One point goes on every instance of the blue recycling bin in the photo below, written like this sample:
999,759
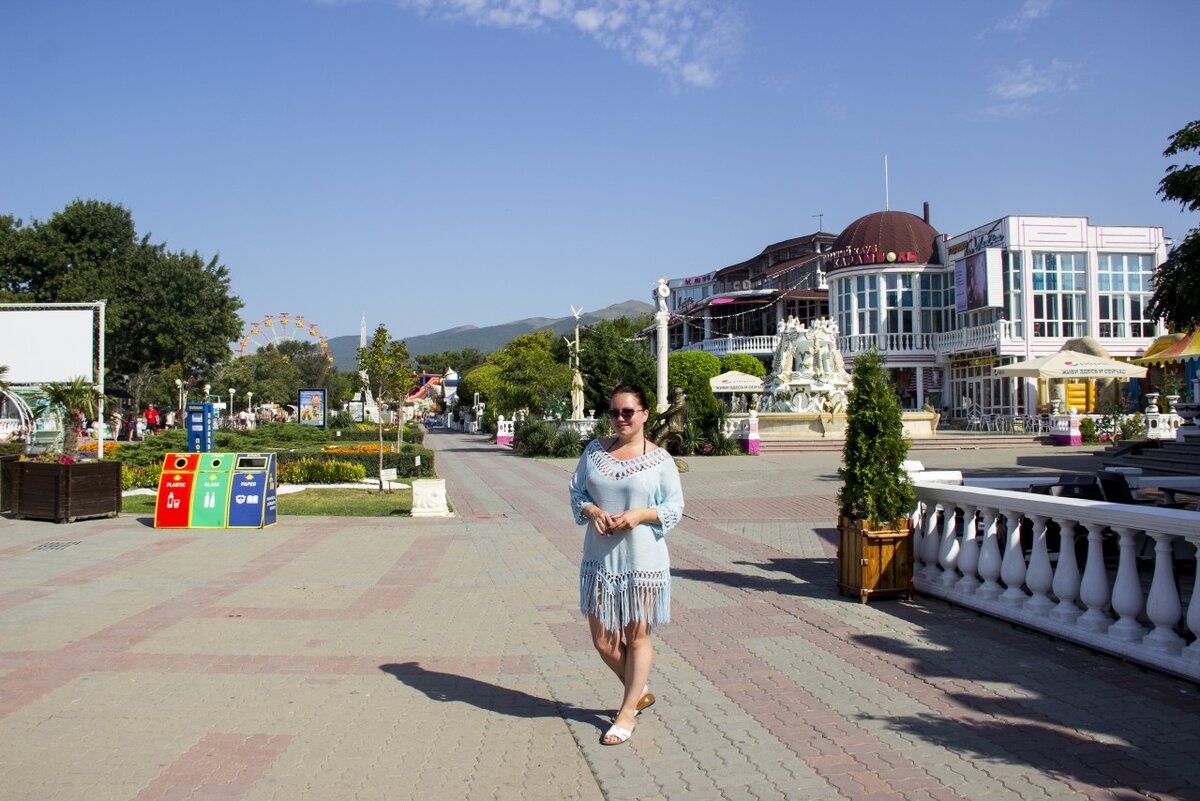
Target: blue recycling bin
200,419
252,491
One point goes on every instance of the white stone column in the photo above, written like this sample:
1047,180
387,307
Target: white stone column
1040,575
1127,591
1163,607
948,550
1012,569
1066,575
968,552
989,558
663,318
1093,590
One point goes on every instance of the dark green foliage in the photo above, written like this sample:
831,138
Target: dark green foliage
566,444
743,363
458,360
691,370
1087,431
875,487
320,471
533,437
404,462
611,354
603,427
342,420
1177,282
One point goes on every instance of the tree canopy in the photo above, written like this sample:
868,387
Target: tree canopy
1177,282
531,377
461,361
743,363
611,354
164,307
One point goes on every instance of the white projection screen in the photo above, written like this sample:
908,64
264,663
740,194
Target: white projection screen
43,345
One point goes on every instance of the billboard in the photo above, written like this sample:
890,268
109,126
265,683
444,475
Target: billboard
978,281
312,407
41,345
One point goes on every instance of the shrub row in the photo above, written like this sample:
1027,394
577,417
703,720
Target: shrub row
405,463
135,476
320,471
412,433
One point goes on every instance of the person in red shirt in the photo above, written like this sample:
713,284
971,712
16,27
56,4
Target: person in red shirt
152,419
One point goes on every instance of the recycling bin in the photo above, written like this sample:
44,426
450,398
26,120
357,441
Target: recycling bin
173,507
199,419
252,491
210,491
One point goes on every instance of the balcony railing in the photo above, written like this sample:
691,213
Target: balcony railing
719,346
990,550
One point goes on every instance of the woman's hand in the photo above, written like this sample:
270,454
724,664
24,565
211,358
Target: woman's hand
627,520
602,520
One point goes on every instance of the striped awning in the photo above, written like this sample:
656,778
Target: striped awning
1172,348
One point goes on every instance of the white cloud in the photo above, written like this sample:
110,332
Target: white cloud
1018,89
1031,11
686,40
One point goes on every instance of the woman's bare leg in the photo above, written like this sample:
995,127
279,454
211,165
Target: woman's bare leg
639,657
609,646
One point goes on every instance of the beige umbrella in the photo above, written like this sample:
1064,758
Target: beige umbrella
1068,364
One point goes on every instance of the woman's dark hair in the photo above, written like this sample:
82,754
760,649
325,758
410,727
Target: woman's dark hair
632,389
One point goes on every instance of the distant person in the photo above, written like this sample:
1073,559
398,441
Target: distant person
152,419
626,490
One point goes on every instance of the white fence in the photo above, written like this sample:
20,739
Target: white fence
969,550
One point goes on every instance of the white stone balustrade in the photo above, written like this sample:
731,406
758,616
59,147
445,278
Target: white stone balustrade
968,550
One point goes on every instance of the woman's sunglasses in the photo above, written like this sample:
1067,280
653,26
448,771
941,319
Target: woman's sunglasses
624,414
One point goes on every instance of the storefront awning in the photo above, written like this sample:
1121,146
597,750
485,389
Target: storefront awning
1176,348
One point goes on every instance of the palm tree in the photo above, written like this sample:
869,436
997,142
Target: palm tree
3,373
78,399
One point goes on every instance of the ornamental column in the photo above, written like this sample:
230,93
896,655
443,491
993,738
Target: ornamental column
662,317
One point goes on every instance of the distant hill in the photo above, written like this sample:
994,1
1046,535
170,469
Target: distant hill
487,339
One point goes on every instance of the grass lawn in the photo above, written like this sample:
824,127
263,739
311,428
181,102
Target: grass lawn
330,502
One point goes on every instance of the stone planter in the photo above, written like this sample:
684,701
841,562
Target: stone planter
874,562
63,493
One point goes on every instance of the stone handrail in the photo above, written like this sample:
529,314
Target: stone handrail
988,570
721,346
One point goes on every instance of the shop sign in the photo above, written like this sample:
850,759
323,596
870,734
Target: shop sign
988,236
869,254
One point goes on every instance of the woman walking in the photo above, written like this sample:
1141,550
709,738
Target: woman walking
626,490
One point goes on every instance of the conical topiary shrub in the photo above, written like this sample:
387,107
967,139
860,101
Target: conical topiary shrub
876,497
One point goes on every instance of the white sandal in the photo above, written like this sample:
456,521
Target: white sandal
622,735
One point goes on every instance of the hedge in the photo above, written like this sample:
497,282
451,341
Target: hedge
405,463
320,471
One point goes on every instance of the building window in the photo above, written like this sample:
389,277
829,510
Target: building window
937,303
1124,289
898,303
1014,303
866,304
845,306
1059,295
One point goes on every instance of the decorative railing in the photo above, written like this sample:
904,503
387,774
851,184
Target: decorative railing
994,551
887,343
720,346
966,339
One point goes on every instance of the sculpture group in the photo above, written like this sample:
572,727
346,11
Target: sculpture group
807,374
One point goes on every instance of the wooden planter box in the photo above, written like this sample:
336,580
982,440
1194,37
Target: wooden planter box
6,481
874,562
63,493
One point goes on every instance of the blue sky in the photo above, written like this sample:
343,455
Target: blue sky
435,163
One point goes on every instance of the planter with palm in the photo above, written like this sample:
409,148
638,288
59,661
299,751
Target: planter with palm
78,401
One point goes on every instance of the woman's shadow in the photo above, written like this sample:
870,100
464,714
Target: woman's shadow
492,697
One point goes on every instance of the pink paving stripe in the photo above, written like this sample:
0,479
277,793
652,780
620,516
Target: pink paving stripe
224,766
127,559
15,598
26,547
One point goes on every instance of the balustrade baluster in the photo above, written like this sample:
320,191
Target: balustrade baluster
948,549
968,552
1127,591
989,558
1162,607
1012,569
1193,612
1066,575
1040,575
915,520
1094,590
931,542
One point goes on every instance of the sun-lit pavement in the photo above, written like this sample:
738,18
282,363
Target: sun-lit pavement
336,658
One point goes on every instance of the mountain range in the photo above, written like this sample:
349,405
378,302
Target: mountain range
344,349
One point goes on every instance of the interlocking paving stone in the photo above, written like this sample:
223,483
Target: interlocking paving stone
445,659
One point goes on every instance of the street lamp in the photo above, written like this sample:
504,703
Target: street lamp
231,418
207,387
250,402
179,389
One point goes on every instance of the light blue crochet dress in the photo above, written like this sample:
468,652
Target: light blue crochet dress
626,576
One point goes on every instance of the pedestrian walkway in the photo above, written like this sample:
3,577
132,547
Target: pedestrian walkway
367,658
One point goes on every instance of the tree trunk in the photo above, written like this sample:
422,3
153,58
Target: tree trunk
379,420
71,423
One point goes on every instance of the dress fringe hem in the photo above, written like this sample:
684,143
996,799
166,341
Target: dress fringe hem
618,600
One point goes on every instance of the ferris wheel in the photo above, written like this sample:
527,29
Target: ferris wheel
283,327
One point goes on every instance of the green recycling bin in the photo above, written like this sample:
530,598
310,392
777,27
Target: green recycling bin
210,492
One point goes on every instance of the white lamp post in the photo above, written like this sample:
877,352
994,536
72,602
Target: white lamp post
179,389
231,417
250,402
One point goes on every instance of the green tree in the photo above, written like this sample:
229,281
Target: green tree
163,307
461,361
268,373
743,363
691,370
530,376
389,377
611,354
875,486
484,379
1177,281
77,400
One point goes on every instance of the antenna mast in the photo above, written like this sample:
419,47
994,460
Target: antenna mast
887,199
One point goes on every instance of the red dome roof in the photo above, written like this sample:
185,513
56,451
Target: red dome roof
884,237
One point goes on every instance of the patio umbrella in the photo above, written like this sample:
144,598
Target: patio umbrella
1068,364
1184,348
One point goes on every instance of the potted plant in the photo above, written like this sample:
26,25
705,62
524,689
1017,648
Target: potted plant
60,487
876,496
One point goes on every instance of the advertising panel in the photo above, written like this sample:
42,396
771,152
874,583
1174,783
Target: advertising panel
978,281
312,407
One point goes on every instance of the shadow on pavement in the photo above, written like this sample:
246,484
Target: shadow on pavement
813,578
1046,731
491,697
